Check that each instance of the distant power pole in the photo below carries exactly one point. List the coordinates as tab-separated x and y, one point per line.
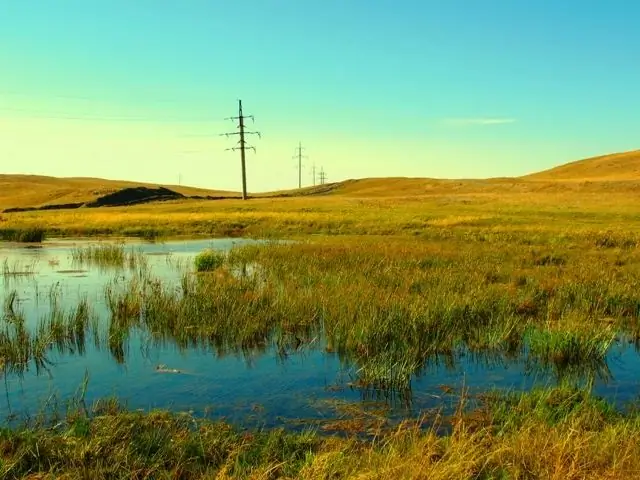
299	156
314	174
323	176
243	145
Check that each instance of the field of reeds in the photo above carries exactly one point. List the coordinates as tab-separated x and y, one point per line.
389	286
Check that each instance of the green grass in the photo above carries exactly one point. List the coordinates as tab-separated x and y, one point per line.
23	347
108	255
208	261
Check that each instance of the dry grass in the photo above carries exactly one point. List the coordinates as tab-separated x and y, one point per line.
34	190
617	166
550	212
585	440
611	173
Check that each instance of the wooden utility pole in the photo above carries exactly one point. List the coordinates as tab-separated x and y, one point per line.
299	156
242	144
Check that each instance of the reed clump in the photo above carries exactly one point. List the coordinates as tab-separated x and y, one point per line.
108	255
23	346
209	260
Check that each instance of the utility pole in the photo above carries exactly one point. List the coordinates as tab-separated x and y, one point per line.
299	156
242	144
323	176
314	174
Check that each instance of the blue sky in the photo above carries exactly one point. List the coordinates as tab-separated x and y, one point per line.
449	88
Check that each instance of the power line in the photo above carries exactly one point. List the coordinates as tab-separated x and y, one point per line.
299	156
243	145
323	176
40	115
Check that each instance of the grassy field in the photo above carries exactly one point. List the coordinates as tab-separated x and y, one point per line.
390	274
532	208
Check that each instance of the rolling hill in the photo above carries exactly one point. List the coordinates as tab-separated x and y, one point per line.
619	171
624	166
36	190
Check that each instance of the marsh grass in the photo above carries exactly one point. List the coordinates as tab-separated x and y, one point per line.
386	311
18	269
109	255
552	433
387	308
22	346
564	348
209	260
19	347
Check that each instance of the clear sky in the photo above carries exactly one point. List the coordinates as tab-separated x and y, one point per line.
139	89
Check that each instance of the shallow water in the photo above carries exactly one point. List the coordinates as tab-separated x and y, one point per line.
262	389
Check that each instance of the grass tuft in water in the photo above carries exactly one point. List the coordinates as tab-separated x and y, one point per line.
209	260
108	255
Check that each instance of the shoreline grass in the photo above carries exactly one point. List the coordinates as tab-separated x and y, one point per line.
553	433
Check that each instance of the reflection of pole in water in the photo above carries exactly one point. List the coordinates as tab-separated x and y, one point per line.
6	391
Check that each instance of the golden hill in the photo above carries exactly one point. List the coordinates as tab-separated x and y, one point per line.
624	166
36	190
609	173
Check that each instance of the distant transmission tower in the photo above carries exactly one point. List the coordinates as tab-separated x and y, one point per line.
313	172
323	176
242	144
299	156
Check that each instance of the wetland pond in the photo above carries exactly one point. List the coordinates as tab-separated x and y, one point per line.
248	388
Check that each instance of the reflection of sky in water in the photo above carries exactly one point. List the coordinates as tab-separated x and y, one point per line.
230	387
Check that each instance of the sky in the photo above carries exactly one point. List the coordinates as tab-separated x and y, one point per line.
139	90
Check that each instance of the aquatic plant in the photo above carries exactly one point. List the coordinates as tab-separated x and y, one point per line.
208	261
17	268
109	255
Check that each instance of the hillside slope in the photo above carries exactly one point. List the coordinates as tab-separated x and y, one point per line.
615	172
36	190
617	166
